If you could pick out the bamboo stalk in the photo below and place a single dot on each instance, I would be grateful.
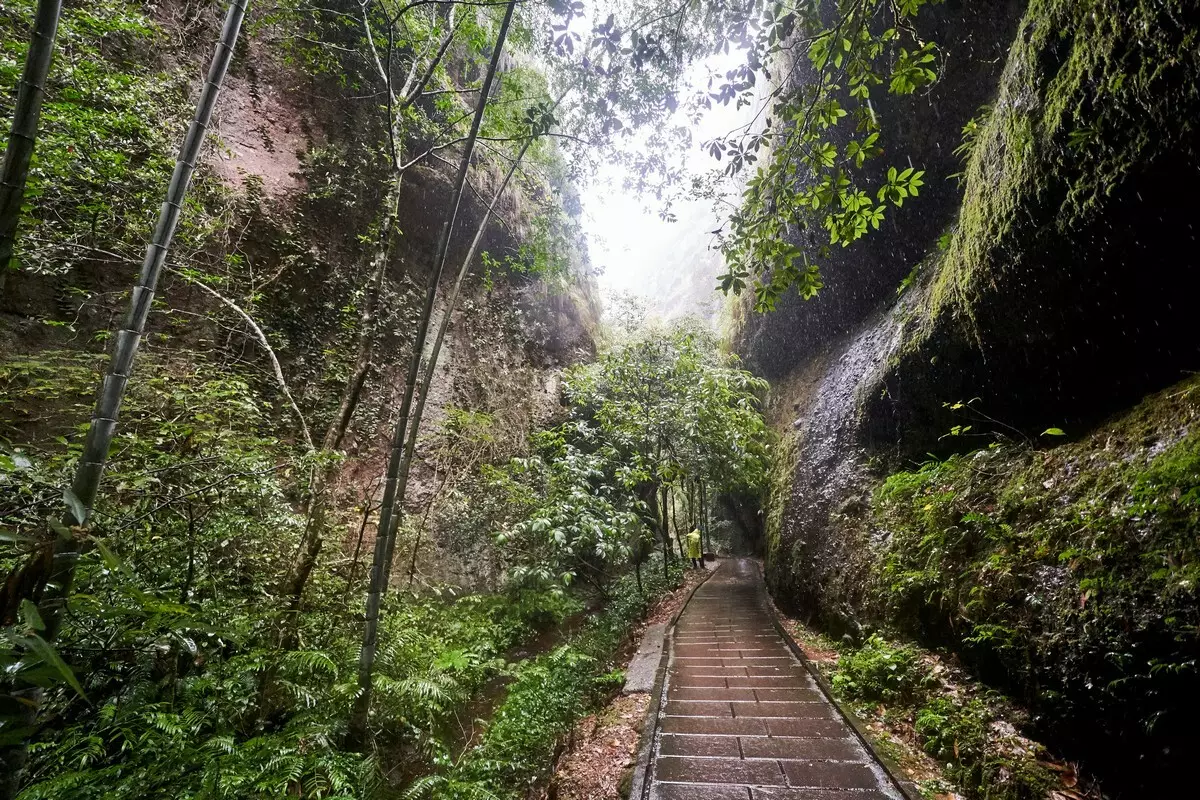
(81, 496)
(357, 734)
(23, 135)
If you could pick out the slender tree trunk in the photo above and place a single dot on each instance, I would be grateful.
(186, 589)
(694, 519)
(366, 333)
(86, 483)
(23, 135)
(666, 532)
(675, 525)
(313, 539)
(431, 364)
(637, 561)
(385, 534)
(362, 529)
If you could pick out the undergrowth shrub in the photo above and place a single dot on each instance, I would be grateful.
(984, 763)
(550, 693)
(984, 756)
(174, 630)
(883, 672)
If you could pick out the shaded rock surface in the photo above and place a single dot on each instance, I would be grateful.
(1060, 296)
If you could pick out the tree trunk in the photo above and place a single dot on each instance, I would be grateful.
(675, 525)
(82, 494)
(366, 328)
(666, 534)
(637, 565)
(385, 534)
(693, 519)
(431, 365)
(362, 529)
(23, 135)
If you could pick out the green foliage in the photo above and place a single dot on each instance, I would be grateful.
(543, 254)
(818, 137)
(660, 409)
(884, 672)
(549, 695)
(682, 409)
(581, 518)
(983, 755)
(962, 735)
(1073, 569)
(970, 136)
(111, 119)
(173, 631)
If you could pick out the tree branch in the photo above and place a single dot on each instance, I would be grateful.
(262, 339)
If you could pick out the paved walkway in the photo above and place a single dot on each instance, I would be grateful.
(743, 719)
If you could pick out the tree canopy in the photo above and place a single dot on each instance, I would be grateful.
(661, 409)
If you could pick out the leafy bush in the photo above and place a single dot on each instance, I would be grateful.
(110, 122)
(883, 672)
(549, 695)
(984, 763)
(175, 630)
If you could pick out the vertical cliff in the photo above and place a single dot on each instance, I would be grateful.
(1044, 292)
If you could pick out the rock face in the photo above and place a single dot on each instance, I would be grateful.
(283, 218)
(924, 130)
(1062, 293)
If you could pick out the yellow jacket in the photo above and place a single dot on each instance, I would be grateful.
(693, 544)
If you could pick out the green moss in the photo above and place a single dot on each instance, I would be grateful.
(960, 735)
(1092, 90)
(780, 477)
(962, 727)
(1074, 570)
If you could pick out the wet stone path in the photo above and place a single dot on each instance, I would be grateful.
(743, 719)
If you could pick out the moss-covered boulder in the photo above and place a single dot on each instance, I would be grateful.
(1067, 289)
(1062, 296)
(1069, 576)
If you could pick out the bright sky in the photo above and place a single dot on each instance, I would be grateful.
(626, 237)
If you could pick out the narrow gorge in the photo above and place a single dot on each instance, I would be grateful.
(589, 400)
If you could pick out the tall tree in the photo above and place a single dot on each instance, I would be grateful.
(386, 531)
(23, 135)
(400, 98)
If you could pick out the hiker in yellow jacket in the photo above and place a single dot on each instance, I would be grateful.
(693, 548)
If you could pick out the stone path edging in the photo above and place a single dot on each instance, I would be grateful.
(641, 770)
(906, 787)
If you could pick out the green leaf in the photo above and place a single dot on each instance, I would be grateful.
(1054, 432)
(12, 537)
(45, 651)
(32, 617)
(75, 506)
(62, 530)
(111, 560)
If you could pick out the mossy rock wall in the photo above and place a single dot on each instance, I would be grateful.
(1069, 577)
(921, 130)
(1063, 296)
